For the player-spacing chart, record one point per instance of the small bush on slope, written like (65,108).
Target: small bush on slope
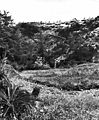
(14,102)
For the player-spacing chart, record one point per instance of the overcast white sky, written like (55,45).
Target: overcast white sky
(50,10)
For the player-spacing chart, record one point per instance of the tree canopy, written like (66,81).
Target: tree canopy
(34,45)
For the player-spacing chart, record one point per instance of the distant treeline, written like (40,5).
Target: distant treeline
(38,45)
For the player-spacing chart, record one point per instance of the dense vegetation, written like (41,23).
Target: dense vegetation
(35,45)
(45,93)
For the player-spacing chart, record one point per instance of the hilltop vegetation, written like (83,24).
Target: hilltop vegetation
(38,45)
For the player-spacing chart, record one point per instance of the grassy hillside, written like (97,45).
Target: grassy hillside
(61,104)
(81,77)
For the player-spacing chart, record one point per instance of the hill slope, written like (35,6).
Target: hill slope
(59,104)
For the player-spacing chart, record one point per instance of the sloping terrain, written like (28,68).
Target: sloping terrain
(59,104)
(80,77)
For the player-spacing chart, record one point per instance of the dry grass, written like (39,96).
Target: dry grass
(62,105)
(83,76)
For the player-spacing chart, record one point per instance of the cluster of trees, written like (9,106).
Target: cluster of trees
(34,45)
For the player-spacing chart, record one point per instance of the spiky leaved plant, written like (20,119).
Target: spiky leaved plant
(13,102)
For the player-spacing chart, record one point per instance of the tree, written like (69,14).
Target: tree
(28,29)
(6,28)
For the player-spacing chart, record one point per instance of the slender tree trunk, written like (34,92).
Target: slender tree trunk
(55,64)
